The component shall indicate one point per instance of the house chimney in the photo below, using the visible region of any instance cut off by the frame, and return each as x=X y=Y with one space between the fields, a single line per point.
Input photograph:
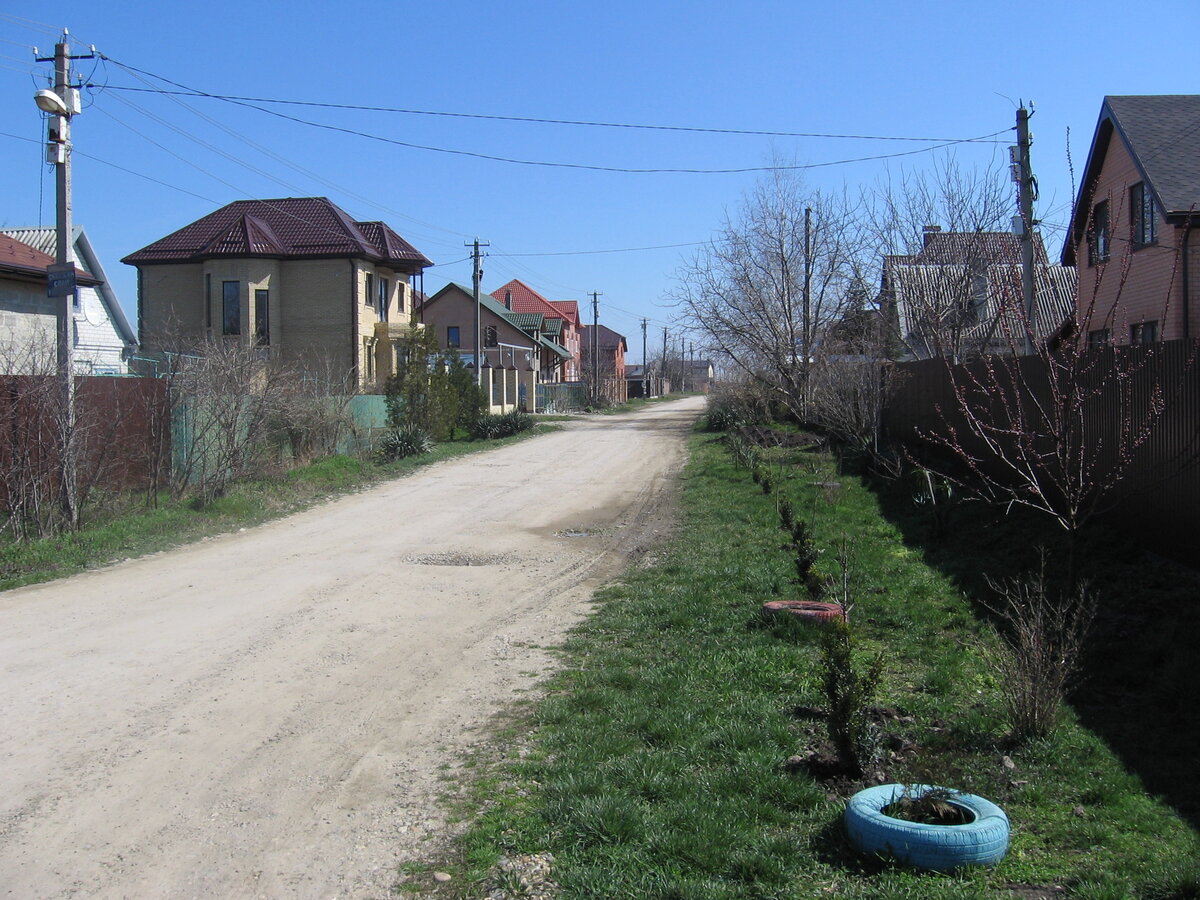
x=930 y=231
x=508 y=299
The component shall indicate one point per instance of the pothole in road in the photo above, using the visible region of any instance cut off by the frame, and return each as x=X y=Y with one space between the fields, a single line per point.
x=578 y=532
x=456 y=559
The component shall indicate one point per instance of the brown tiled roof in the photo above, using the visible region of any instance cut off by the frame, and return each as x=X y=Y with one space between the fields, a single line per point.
x=291 y=227
x=1162 y=134
x=20 y=259
x=607 y=338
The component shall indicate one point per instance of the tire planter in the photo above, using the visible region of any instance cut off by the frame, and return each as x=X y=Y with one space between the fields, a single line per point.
x=811 y=610
x=939 y=848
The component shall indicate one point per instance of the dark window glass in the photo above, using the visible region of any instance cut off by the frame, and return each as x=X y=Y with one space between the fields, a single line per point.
x=1098 y=338
x=370 y=294
x=262 y=318
x=1098 y=243
x=382 y=306
x=1143 y=333
x=452 y=336
x=1143 y=216
x=231 y=307
x=489 y=337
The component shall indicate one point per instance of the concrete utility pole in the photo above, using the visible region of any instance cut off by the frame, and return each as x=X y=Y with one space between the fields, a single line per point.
x=61 y=104
x=645 y=364
x=595 y=351
x=476 y=278
x=663 y=374
x=1026 y=194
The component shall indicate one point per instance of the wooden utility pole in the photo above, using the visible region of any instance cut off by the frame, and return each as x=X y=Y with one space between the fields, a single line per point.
x=476 y=279
x=645 y=364
x=1027 y=189
x=663 y=374
x=61 y=104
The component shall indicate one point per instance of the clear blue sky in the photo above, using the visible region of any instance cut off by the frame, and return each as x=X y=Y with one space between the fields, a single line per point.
x=932 y=69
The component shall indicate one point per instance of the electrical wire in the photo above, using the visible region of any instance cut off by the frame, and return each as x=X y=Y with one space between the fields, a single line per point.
x=691 y=129
x=561 y=165
x=590 y=252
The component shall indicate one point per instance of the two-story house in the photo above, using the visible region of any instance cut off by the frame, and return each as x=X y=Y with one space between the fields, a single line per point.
x=560 y=324
x=297 y=278
x=1132 y=233
x=609 y=361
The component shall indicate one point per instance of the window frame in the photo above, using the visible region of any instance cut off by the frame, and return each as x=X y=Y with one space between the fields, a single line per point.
x=453 y=337
x=1099 y=337
x=1143 y=216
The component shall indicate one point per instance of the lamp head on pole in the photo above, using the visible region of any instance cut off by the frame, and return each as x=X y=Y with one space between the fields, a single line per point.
x=50 y=102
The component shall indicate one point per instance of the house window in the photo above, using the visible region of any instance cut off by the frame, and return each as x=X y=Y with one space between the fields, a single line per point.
x=1098 y=338
x=1143 y=216
x=489 y=337
x=452 y=336
x=231 y=307
x=1143 y=333
x=382 y=306
x=1098 y=237
x=262 y=318
x=369 y=297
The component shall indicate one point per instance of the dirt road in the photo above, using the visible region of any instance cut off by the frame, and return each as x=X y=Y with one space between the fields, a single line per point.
x=264 y=714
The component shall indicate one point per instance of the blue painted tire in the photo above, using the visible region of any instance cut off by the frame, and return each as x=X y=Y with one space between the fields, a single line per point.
x=939 y=848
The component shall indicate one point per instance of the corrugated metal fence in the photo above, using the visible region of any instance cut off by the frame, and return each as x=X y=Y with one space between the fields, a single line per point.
x=1158 y=493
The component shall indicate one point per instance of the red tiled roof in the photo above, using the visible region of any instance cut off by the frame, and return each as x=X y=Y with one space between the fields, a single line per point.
x=570 y=309
x=17 y=257
x=301 y=227
x=525 y=299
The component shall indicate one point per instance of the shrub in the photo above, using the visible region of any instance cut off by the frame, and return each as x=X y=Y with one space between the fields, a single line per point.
x=403 y=441
x=849 y=686
x=806 y=558
x=722 y=415
x=490 y=426
x=1037 y=656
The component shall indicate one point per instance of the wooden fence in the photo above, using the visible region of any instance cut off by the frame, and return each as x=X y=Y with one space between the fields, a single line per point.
x=1159 y=495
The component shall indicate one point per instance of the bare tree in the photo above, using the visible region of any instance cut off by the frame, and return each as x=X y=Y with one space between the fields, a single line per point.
x=764 y=289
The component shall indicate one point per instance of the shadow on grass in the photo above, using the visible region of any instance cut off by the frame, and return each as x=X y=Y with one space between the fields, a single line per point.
x=1141 y=677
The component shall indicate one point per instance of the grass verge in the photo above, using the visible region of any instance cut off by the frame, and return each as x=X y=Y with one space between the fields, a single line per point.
x=121 y=532
x=656 y=767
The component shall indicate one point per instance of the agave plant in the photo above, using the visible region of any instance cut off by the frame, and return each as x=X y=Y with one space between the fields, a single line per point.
x=404 y=441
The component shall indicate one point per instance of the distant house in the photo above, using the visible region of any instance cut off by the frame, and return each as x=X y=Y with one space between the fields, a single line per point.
x=297 y=278
x=513 y=351
x=611 y=348
x=103 y=338
x=1132 y=232
x=961 y=295
x=560 y=323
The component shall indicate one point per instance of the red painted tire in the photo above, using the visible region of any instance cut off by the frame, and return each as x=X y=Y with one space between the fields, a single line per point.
x=811 y=610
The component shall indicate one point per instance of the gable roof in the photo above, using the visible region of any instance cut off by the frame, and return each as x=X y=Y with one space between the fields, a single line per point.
x=525 y=299
x=19 y=258
x=607 y=339
x=45 y=239
x=569 y=309
x=287 y=228
x=1161 y=134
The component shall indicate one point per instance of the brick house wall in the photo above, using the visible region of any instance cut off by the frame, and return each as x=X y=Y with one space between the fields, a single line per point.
x=1136 y=284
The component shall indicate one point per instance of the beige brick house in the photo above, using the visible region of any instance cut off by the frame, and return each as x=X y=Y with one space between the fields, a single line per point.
x=295 y=277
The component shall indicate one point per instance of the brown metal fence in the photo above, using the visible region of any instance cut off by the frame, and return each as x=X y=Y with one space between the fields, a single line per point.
x=1158 y=497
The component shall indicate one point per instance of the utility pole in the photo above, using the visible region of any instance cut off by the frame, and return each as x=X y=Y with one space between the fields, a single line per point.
x=476 y=278
x=1027 y=189
x=595 y=351
x=663 y=374
x=645 y=364
x=61 y=104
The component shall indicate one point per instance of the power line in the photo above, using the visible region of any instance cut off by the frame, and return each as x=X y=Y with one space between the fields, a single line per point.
x=561 y=165
x=617 y=250
x=691 y=129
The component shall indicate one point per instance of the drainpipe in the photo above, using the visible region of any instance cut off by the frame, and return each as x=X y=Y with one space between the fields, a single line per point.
x=353 y=322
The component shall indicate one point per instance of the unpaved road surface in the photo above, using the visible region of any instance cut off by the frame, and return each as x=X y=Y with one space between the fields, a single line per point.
x=266 y=714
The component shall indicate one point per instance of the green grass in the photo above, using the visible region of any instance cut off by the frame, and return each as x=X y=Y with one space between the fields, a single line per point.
x=655 y=766
x=117 y=530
